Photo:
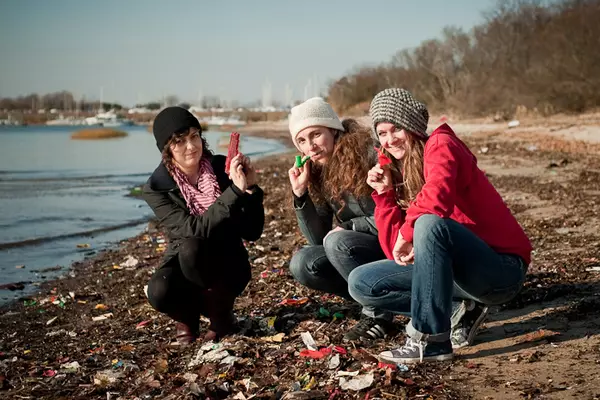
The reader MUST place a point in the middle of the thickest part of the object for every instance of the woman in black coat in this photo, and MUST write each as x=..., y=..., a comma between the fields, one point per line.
x=206, y=215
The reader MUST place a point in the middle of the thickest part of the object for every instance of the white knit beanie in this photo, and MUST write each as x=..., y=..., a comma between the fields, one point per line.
x=313, y=112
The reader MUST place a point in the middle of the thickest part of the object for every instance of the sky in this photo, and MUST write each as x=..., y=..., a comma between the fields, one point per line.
x=141, y=50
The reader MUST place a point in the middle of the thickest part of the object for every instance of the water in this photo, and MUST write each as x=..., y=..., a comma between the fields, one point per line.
x=56, y=193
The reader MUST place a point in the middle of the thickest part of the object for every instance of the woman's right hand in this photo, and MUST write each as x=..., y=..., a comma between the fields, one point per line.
x=236, y=172
x=299, y=178
x=380, y=179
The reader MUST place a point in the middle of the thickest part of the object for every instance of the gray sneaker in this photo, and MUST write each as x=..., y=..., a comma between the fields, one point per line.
x=466, y=319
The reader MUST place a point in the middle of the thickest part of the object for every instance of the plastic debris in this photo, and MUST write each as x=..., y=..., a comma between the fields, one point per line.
x=311, y=354
x=130, y=262
x=49, y=373
x=357, y=383
x=102, y=317
x=83, y=246
x=334, y=362
x=51, y=320
x=107, y=377
x=142, y=324
x=70, y=368
x=514, y=123
x=19, y=266
x=308, y=340
x=101, y=307
x=278, y=338
x=294, y=301
x=593, y=269
x=300, y=161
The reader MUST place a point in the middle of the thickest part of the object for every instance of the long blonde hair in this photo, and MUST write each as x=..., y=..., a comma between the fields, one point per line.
x=407, y=173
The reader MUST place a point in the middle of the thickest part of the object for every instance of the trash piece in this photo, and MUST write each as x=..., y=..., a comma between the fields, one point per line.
x=304, y=395
x=101, y=307
x=382, y=159
x=357, y=383
x=142, y=324
x=230, y=360
x=334, y=362
x=323, y=312
x=402, y=368
x=130, y=262
x=540, y=334
x=27, y=352
x=116, y=266
x=210, y=352
x=409, y=382
x=102, y=317
x=19, y=266
x=28, y=303
x=239, y=396
x=311, y=383
x=107, y=377
x=51, y=320
x=294, y=301
x=340, y=350
x=72, y=295
x=188, y=376
x=514, y=123
x=338, y=315
x=593, y=269
x=300, y=161
x=275, y=338
x=383, y=365
x=232, y=150
x=308, y=340
x=83, y=246
x=311, y=354
x=70, y=368
x=347, y=373
x=49, y=373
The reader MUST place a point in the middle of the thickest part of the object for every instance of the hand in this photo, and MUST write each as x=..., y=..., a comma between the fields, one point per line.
x=336, y=229
x=380, y=179
x=403, y=252
x=236, y=173
x=251, y=178
x=299, y=178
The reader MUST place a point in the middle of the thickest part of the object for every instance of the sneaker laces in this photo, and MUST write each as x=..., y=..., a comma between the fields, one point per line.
x=411, y=345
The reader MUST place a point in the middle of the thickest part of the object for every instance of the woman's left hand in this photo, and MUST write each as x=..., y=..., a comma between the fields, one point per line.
x=404, y=252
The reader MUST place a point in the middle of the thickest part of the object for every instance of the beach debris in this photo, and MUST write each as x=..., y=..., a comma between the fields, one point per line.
x=70, y=368
x=308, y=340
x=51, y=320
x=300, y=161
x=232, y=150
x=334, y=362
x=102, y=317
x=357, y=383
x=294, y=302
x=107, y=377
x=593, y=269
x=142, y=324
x=101, y=307
x=19, y=266
x=83, y=246
x=130, y=262
x=514, y=123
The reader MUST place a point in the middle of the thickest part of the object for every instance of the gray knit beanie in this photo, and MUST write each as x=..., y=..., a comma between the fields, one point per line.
x=400, y=108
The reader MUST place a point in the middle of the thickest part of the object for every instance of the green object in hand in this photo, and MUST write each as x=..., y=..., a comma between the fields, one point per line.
x=300, y=161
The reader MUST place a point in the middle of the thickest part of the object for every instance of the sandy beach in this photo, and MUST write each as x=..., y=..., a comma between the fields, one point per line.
x=92, y=334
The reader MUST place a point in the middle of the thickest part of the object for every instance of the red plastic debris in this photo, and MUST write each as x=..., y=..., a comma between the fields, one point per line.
x=294, y=301
x=142, y=324
x=382, y=158
x=316, y=354
x=49, y=373
x=232, y=151
x=393, y=367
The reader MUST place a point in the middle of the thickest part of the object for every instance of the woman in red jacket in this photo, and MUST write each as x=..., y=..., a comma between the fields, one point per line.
x=446, y=228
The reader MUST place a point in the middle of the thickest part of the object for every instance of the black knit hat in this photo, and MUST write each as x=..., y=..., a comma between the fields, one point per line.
x=171, y=120
x=400, y=108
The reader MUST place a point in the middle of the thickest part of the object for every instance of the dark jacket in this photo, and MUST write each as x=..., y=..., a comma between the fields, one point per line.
x=316, y=220
x=234, y=216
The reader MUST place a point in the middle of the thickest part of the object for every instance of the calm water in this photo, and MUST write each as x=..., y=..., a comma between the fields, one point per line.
x=56, y=193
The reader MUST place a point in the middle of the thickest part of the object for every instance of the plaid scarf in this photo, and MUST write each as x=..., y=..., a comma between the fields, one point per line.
x=199, y=198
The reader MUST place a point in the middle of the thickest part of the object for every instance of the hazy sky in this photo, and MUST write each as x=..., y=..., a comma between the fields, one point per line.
x=144, y=49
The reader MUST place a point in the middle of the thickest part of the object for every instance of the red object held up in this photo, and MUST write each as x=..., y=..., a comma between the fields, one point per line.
x=233, y=150
x=382, y=158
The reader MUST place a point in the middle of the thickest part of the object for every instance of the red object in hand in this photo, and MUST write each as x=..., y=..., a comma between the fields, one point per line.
x=234, y=144
x=382, y=159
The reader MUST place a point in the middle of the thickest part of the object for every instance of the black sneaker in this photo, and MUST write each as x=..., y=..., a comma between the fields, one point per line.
x=414, y=351
x=369, y=329
x=464, y=331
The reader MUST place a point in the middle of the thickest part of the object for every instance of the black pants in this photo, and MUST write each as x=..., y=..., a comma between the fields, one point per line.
x=192, y=284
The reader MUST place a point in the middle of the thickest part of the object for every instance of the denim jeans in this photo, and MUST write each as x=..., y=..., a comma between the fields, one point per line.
x=451, y=263
x=326, y=268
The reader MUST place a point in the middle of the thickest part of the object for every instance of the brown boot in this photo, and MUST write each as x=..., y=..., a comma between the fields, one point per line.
x=185, y=334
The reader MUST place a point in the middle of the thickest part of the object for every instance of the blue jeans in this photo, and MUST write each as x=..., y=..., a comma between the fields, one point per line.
x=326, y=268
x=451, y=263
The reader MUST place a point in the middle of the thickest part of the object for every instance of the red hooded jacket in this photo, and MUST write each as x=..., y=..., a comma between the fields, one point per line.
x=454, y=188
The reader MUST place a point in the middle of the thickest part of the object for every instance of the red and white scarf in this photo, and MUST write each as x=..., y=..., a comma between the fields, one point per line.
x=199, y=198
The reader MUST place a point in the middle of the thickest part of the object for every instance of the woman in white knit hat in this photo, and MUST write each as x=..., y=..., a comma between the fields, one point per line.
x=331, y=186
x=449, y=237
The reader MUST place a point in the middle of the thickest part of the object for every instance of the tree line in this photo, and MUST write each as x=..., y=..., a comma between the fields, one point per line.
x=527, y=54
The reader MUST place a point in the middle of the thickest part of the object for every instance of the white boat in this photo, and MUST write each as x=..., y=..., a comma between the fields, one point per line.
x=108, y=119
